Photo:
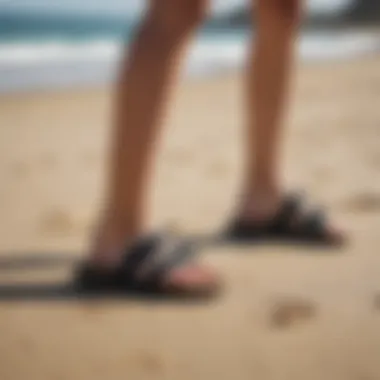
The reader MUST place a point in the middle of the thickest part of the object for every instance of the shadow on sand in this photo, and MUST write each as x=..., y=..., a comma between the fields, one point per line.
x=10, y=292
x=60, y=291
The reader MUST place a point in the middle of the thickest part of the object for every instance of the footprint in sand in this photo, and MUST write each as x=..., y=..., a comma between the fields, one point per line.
x=288, y=313
x=57, y=376
x=48, y=161
x=364, y=202
x=217, y=170
x=20, y=169
x=26, y=345
x=375, y=160
x=376, y=302
x=61, y=222
x=322, y=175
x=91, y=159
x=179, y=156
x=149, y=363
x=174, y=227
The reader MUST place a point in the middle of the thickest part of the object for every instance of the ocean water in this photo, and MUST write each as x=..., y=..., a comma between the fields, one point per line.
x=43, y=48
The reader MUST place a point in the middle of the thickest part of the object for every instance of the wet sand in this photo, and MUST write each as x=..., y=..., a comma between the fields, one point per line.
x=287, y=312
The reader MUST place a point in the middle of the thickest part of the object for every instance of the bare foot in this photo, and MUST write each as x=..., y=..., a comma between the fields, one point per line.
x=152, y=254
x=290, y=312
x=285, y=217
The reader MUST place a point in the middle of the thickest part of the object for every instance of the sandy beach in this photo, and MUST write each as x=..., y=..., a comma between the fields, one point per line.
x=294, y=313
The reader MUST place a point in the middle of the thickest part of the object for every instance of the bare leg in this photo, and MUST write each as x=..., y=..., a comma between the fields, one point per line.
x=143, y=92
x=269, y=72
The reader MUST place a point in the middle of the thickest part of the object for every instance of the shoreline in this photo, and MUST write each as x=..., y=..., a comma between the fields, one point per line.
x=95, y=64
x=185, y=80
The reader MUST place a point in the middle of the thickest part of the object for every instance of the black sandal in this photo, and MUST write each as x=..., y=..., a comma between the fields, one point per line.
x=291, y=224
x=143, y=270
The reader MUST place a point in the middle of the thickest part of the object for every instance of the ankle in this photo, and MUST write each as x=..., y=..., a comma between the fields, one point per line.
x=260, y=203
x=266, y=194
x=109, y=242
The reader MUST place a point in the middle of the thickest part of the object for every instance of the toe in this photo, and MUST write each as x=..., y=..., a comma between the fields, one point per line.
x=193, y=279
x=336, y=236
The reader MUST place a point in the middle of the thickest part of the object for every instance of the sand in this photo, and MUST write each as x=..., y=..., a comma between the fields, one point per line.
x=287, y=312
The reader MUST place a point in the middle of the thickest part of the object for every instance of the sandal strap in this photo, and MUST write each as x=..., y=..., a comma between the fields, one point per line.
x=290, y=210
x=179, y=255
x=312, y=225
x=137, y=254
x=149, y=260
x=293, y=218
x=144, y=267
